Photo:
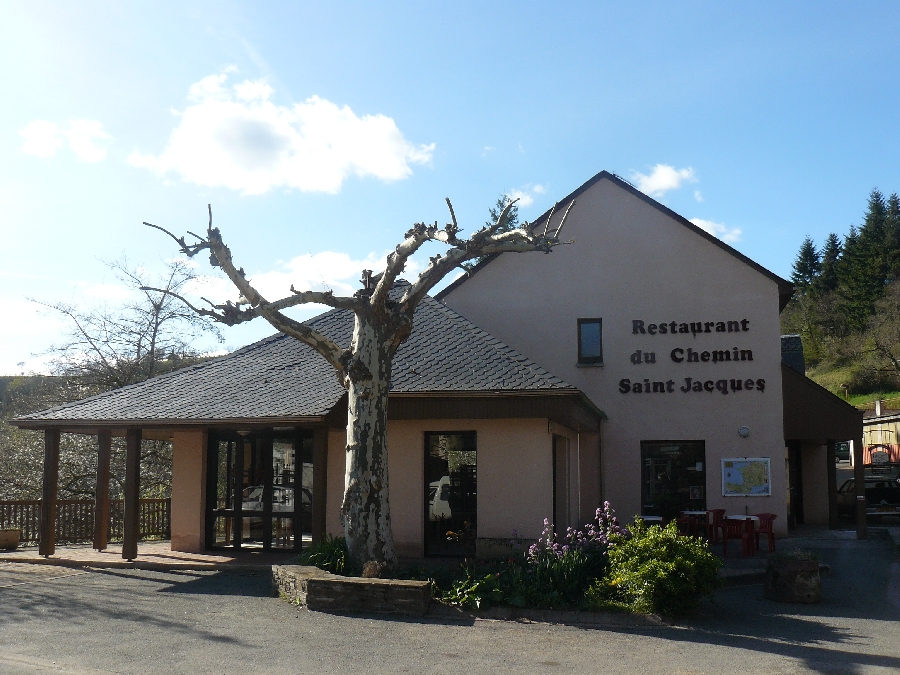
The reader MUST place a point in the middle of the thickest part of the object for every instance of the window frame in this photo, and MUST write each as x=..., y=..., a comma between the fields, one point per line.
x=590, y=360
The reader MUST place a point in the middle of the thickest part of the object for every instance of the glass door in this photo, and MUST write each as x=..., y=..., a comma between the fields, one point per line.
x=674, y=477
x=451, y=494
x=259, y=490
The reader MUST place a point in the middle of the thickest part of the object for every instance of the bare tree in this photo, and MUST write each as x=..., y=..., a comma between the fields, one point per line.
x=153, y=333
x=381, y=325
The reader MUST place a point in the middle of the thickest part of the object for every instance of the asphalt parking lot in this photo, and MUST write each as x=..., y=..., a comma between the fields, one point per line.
x=57, y=620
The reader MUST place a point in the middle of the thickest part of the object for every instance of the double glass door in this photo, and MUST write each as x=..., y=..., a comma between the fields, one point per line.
x=259, y=493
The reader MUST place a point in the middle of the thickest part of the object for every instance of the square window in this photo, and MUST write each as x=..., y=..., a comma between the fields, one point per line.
x=590, y=341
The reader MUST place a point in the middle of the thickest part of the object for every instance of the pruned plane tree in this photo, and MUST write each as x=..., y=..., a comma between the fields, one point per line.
x=382, y=324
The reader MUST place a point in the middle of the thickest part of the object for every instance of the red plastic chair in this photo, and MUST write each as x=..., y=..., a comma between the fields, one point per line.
x=765, y=528
x=736, y=529
x=716, y=524
x=685, y=526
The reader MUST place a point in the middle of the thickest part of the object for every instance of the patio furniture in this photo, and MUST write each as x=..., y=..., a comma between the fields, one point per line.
x=685, y=526
x=733, y=528
x=765, y=528
x=716, y=524
x=699, y=521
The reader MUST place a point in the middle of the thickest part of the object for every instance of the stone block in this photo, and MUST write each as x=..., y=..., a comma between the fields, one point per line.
x=321, y=591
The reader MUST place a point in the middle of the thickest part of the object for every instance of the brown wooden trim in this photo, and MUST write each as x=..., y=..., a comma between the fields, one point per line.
x=101, y=493
x=859, y=480
x=832, y=486
x=48, y=499
x=320, y=482
x=569, y=411
x=132, y=522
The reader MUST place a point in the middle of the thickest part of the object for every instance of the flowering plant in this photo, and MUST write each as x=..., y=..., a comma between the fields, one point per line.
x=593, y=538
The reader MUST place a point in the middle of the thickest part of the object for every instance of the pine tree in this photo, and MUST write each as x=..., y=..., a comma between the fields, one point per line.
x=831, y=254
x=807, y=266
x=512, y=222
x=892, y=236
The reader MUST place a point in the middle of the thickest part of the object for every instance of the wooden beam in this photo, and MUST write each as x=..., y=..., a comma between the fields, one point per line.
x=132, y=523
x=101, y=492
x=832, y=485
x=319, y=486
x=859, y=478
x=47, y=545
x=238, y=491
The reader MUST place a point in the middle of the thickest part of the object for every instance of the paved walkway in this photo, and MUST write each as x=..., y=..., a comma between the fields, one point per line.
x=139, y=622
x=152, y=555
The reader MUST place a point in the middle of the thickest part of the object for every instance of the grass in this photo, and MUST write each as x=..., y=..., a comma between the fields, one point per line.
x=860, y=399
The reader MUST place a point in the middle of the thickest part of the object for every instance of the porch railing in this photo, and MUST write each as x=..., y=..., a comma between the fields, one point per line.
x=75, y=519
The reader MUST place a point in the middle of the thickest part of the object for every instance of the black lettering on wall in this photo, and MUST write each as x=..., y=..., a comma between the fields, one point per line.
x=746, y=355
x=624, y=385
x=734, y=327
x=637, y=326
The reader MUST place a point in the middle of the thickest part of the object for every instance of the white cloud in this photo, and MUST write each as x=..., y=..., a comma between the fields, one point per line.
x=723, y=232
x=42, y=138
x=698, y=195
x=86, y=139
x=328, y=270
x=662, y=179
x=526, y=194
x=235, y=137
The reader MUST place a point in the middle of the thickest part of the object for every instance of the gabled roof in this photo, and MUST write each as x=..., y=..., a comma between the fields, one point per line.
x=785, y=288
x=282, y=379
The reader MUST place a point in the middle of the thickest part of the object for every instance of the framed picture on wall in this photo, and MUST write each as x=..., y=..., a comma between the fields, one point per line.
x=696, y=492
x=746, y=477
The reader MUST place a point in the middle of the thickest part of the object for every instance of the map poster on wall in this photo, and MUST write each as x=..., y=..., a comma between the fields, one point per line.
x=746, y=477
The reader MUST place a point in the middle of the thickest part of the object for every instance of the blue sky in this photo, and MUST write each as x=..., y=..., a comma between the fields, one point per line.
x=321, y=131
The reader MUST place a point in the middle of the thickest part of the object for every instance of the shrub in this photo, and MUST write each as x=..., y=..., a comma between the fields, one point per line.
x=329, y=555
x=658, y=571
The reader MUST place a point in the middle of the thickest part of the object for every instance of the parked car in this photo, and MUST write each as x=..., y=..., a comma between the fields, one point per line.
x=882, y=496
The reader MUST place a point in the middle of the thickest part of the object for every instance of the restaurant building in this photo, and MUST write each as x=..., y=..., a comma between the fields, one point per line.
x=641, y=364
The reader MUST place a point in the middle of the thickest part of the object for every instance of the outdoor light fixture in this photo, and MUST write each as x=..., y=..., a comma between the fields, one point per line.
x=743, y=432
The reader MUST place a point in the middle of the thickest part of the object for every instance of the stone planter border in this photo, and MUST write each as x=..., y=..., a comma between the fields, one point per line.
x=9, y=539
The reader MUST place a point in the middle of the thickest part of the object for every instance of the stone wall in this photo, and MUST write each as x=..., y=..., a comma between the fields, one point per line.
x=321, y=591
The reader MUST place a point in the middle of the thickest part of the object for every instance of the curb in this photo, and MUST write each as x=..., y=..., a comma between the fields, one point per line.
x=567, y=617
x=141, y=565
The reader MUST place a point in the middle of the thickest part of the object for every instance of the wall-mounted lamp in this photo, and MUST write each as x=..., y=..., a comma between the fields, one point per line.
x=743, y=432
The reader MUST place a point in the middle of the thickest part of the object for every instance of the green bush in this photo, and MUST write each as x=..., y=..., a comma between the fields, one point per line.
x=329, y=555
x=656, y=571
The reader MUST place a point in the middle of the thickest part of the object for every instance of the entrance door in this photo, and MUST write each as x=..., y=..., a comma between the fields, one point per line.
x=451, y=494
x=259, y=490
x=674, y=477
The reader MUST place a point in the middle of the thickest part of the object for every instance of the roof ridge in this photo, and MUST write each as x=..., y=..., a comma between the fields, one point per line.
x=785, y=287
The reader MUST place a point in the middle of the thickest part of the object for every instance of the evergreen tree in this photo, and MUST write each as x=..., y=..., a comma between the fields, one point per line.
x=807, y=266
x=831, y=254
x=512, y=222
x=864, y=264
x=892, y=236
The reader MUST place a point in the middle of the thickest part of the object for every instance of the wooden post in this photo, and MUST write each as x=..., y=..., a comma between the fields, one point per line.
x=48, y=496
x=101, y=493
x=319, y=486
x=859, y=478
x=132, y=523
x=832, y=485
x=238, y=492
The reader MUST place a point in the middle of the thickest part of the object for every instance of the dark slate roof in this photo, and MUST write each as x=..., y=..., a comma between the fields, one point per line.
x=785, y=288
x=792, y=353
x=282, y=378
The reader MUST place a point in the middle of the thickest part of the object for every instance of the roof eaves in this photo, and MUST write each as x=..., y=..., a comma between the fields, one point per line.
x=785, y=287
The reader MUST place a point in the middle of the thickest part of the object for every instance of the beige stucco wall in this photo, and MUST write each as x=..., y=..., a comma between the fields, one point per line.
x=514, y=477
x=814, y=459
x=188, y=490
x=631, y=261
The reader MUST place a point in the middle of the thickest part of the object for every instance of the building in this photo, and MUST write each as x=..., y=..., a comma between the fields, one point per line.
x=495, y=415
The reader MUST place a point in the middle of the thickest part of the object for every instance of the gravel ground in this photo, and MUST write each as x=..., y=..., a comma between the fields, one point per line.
x=116, y=621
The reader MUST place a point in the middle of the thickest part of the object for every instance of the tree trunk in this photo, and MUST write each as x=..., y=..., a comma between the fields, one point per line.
x=366, y=510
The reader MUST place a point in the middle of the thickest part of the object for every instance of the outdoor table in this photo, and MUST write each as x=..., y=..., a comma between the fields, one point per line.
x=698, y=519
x=755, y=520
